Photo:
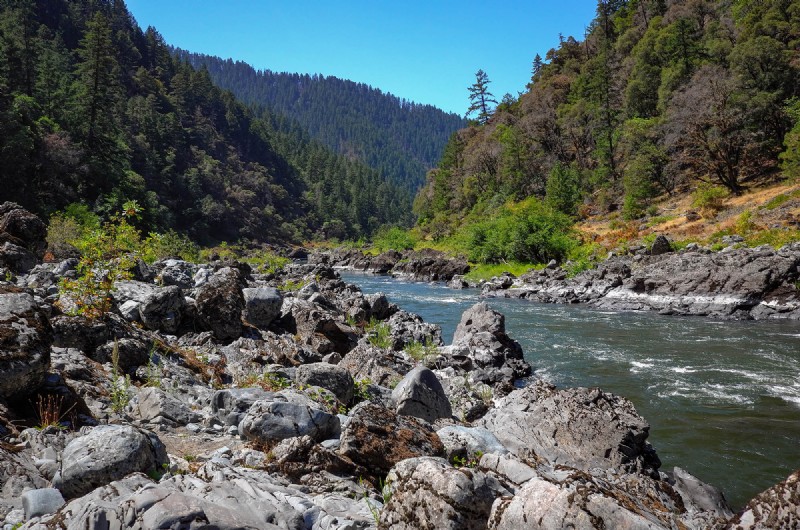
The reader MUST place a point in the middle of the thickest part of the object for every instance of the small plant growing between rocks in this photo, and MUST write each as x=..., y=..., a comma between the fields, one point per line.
x=379, y=334
x=469, y=461
x=362, y=389
x=385, y=491
x=270, y=381
x=120, y=386
x=153, y=370
x=48, y=408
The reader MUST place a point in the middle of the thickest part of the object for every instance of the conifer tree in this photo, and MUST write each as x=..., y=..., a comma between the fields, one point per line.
x=480, y=98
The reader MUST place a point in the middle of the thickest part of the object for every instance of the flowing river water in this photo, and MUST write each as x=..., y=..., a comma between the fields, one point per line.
x=722, y=398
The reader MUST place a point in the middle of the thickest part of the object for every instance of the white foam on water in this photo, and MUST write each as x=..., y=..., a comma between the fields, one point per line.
x=683, y=370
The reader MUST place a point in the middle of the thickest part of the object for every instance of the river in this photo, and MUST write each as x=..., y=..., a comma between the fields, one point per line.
x=722, y=398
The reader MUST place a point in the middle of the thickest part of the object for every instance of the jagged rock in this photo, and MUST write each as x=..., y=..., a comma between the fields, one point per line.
x=577, y=427
x=220, y=303
x=316, y=327
x=428, y=493
x=408, y=327
x=151, y=403
x=108, y=453
x=377, y=438
x=382, y=367
x=328, y=376
x=661, y=245
x=420, y=394
x=231, y=404
x=41, y=502
x=160, y=308
x=481, y=345
x=178, y=273
x=702, y=501
x=777, y=507
x=79, y=332
x=379, y=306
x=16, y=258
x=25, y=339
x=262, y=305
x=301, y=456
x=285, y=415
x=25, y=227
x=567, y=498
x=17, y=474
x=469, y=442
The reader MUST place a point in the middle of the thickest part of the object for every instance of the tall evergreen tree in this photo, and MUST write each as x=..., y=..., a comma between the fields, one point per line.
x=480, y=98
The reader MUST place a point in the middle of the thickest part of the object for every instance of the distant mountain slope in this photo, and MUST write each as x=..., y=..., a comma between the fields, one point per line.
x=95, y=110
x=397, y=137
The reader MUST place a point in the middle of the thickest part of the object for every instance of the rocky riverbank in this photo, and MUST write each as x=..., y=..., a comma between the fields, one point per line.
x=736, y=283
x=213, y=396
x=425, y=265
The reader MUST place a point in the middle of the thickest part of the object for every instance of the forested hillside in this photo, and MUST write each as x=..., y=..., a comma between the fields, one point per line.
x=401, y=139
x=95, y=110
x=661, y=96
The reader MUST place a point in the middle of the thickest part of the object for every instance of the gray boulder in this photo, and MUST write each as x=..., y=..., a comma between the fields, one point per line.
x=286, y=415
x=420, y=394
x=25, y=339
x=469, y=442
x=42, y=501
x=151, y=403
x=16, y=258
x=220, y=303
x=577, y=427
x=178, y=273
x=328, y=376
x=108, y=453
x=132, y=353
x=661, y=245
x=481, y=344
x=262, y=305
x=572, y=499
x=428, y=493
x=231, y=404
x=160, y=308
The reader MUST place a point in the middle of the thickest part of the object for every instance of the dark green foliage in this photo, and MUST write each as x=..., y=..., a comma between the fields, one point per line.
x=95, y=110
x=529, y=232
x=399, y=138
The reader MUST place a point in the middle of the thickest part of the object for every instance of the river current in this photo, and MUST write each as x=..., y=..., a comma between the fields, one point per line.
x=722, y=398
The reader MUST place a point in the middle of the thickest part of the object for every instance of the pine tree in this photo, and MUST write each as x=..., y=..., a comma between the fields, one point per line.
x=480, y=98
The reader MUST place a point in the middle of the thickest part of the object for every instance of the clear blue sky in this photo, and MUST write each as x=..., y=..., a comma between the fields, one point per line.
x=424, y=51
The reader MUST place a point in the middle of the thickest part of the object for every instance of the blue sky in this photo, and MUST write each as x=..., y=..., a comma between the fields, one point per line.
x=424, y=51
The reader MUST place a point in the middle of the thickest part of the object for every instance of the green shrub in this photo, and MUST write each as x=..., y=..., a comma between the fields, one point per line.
x=107, y=256
x=379, y=334
x=529, y=232
x=393, y=238
x=169, y=245
x=708, y=199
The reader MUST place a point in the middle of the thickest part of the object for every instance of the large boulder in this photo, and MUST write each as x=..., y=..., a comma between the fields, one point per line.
x=328, y=376
x=382, y=367
x=152, y=403
x=158, y=308
x=262, y=305
x=25, y=339
x=220, y=303
x=469, y=442
x=108, y=453
x=377, y=438
x=420, y=394
x=567, y=498
x=178, y=273
x=285, y=415
x=428, y=493
x=231, y=404
x=584, y=428
x=26, y=229
x=481, y=344
x=316, y=327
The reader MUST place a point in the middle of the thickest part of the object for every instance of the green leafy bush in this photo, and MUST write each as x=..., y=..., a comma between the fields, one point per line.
x=393, y=238
x=708, y=199
x=528, y=232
